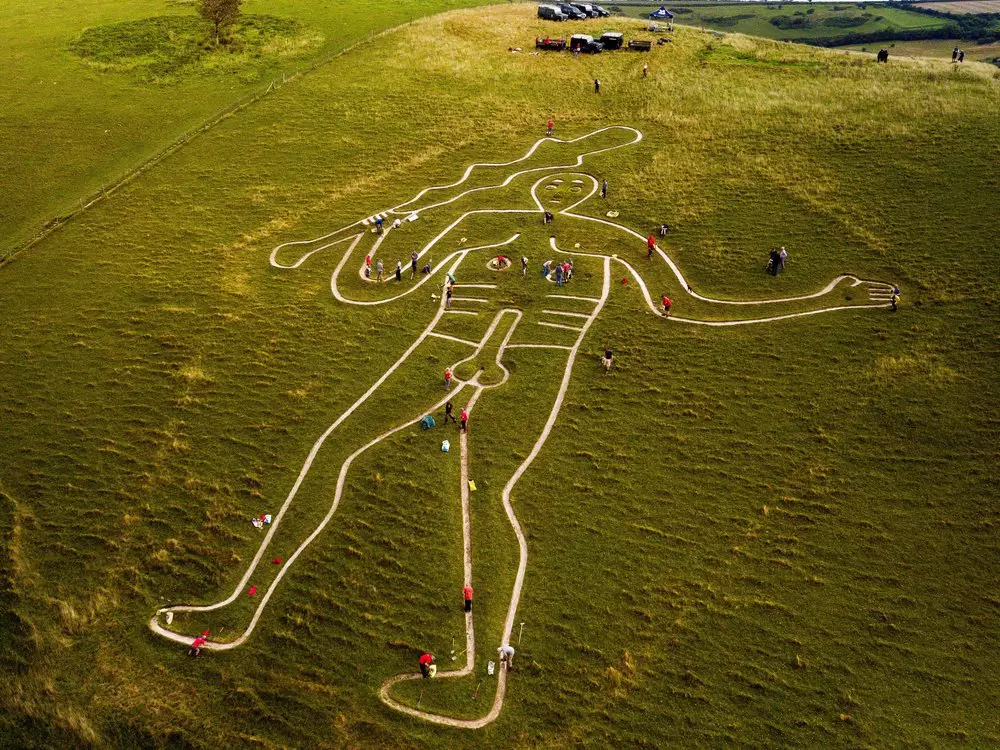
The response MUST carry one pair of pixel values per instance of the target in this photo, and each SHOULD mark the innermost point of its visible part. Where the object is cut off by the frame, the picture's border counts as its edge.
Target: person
(524, 265)
(413, 264)
(467, 595)
(447, 378)
(506, 652)
(961, 55)
(551, 126)
(894, 300)
(782, 255)
(464, 416)
(667, 304)
(954, 54)
(664, 228)
(448, 415)
(378, 224)
(397, 223)
(650, 246)
(597, 86)
(772, 262)
(425, 661)
(608, 357)
(604, 189)
(197, 644)
(548, 218)
(447, 298)
(378, 270)
(645, 69)
(569, 269)
(399, 270)
(545, 269)
(559, 274)
(426, 268)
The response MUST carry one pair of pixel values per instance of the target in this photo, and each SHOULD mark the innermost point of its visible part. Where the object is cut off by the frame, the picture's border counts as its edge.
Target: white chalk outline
(353, 233)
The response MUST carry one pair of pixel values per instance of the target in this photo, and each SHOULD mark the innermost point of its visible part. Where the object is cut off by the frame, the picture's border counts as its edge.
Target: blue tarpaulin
(660, 14)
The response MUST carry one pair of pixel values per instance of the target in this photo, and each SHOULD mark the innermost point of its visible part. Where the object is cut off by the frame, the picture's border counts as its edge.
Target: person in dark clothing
(774, 262)
(604, 189)
(548, 217)
(954, 54)
(961, 55)
(399, 270)
(597, 86)
(448, 415)
(413, 264)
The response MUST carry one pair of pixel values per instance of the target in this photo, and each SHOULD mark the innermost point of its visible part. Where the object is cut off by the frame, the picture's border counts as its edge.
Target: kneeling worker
(427, 665)
(506, 652)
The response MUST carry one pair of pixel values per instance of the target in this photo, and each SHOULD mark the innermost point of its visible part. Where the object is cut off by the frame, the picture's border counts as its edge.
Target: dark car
(585, 43)
(601, 12)
(572, 13)
(551, 13)
(612, 39)
(586, 8)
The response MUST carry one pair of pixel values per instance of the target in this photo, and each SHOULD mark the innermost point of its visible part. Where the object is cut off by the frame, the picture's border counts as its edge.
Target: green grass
(160, 49)
(72, 126)
(940, 48)
(766, 535)
(795, 22)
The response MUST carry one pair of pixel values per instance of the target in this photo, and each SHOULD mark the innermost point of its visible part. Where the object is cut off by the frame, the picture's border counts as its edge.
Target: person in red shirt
(447, 378)
(551, 126)
(651, 246)
(197, 644)
(425, 662)
(464, 417)
(667, 304)
(467, 595)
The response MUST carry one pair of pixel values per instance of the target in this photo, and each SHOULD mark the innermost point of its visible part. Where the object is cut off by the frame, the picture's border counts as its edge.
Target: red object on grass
(625, 281)
(252, 591)
(276, 561)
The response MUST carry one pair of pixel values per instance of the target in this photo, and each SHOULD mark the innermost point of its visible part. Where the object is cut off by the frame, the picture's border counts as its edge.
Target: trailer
(585, 43)
(612, 39)
(640, 45)
(548, 43)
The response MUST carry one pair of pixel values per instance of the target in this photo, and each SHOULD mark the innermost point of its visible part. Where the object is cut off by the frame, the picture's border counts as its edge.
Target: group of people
(957, 55)
(776, 260)
(463, 417)
(561, 272)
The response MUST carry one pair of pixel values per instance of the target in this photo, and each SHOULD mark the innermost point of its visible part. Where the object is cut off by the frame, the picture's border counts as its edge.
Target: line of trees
(982, 28)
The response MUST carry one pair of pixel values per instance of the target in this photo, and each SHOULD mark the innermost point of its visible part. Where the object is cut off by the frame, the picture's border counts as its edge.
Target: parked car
(573, 14)
(550, 44)
(639, 45)
(612, 39)
(586, 8)
(585, 43)
(601, 12)
(551, 13)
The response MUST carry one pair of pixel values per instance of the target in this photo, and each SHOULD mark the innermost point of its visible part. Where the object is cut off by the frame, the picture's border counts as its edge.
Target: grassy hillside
(766, 535)
(71, 127)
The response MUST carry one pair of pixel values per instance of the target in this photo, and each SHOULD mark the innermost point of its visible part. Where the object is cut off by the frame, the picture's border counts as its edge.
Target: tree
(220, 13)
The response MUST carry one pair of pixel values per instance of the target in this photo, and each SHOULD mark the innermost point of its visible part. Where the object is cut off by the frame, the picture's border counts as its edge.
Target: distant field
(798, 22)
(932, 48)
(964, 6)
